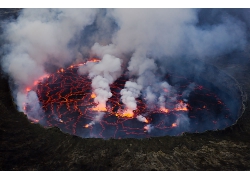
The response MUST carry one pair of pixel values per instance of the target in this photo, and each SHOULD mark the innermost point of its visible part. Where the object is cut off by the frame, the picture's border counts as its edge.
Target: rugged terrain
(27, 146)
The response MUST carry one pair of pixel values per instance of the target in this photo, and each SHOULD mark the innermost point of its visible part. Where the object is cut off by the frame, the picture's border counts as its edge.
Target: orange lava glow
(35, 83)
(127, 113)
(28, 89)
(93, 95)
(174, 125)
(181, 107)
(34, 120)
(163, 109)
(99, 108)
(69, 102)
(94, 60)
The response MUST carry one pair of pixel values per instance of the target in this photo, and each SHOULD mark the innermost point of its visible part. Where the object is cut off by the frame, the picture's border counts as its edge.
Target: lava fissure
(67, 101)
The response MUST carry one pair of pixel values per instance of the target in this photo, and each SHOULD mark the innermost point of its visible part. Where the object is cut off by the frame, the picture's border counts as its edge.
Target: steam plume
(43, 39)
(102, 74)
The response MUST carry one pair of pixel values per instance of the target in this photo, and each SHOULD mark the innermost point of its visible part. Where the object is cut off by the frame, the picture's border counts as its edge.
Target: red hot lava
(67, 102)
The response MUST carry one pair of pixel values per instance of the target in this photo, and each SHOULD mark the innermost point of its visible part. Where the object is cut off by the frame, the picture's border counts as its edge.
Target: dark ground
(26, 146)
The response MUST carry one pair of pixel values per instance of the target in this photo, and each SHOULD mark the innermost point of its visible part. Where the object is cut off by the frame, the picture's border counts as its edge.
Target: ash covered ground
(27, 146)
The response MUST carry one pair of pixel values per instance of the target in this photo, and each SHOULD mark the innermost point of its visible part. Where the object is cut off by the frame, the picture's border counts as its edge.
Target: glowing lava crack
(67, 101)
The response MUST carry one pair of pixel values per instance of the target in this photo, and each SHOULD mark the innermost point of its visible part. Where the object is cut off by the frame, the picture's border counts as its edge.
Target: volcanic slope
(27, 146)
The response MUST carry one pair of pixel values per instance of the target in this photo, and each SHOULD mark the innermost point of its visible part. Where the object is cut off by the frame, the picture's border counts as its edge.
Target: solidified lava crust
(26, 146)
(67, 102)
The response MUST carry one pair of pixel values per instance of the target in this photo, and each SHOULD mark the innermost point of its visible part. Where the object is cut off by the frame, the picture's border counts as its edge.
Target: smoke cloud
(102, 74)
(174, 32)
(39, 37)
(129, 93)
(139, 42)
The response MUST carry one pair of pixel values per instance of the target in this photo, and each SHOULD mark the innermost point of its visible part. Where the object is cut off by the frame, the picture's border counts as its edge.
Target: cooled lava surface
(67, 102)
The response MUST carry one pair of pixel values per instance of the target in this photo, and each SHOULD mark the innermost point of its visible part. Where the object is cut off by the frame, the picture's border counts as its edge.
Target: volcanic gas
(68, 101)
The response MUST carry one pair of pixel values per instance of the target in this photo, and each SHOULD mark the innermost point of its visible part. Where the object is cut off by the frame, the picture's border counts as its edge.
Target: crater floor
(27, 146)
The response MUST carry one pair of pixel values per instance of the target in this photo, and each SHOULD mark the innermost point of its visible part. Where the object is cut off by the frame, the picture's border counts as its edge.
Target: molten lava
(99, 108)
(67, 102)
(126, 113)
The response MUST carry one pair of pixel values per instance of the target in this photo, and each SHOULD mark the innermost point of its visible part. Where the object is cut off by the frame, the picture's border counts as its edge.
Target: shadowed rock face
(26, 146)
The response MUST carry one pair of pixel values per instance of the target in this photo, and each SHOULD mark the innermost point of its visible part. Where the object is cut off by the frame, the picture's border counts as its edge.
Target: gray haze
(136, 38)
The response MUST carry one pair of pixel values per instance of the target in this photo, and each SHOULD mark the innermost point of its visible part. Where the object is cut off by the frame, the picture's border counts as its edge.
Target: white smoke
(100, 51)
(97, 118)
(162, 100)
(143, 68)
(187, 91)
(139, 64)
(101, 89)
(150, 96)
(35, 110)
(167, 94)
(141, 118)
(103, 74)
(40, 37)
(183, 122)
(129, 94)
(173, 32)
(148, 128)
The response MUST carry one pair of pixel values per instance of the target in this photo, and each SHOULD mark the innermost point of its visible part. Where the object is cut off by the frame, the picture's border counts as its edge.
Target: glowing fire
(24, 107)
(34, 120)
(127, 113)
(181, 107)
(142, 119)
(147, 128)
(28, 89)
(94, 60)
(99, 107)
(35, 83)
(93, 95)
(41, 78)
(163, 109)
(64, 102)
(174, 125)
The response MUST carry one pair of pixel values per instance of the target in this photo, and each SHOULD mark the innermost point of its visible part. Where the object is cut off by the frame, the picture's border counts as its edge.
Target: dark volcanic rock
(27, 146)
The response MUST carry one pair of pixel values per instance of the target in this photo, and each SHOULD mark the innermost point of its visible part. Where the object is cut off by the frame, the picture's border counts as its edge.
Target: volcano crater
(214, 102)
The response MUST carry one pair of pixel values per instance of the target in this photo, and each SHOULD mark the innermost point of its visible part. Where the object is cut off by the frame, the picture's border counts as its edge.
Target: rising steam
(138, 42)
(103, 74)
